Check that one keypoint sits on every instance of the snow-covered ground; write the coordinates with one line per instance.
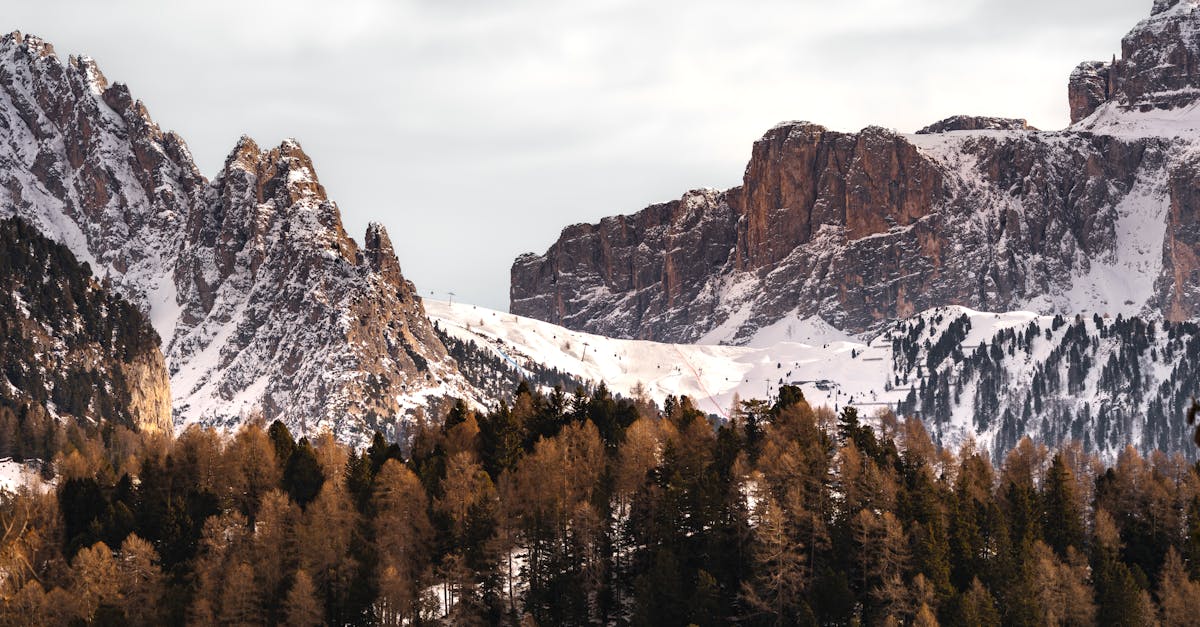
(1112, 119)
(15, 475)
(833, 372)
(1122, 392)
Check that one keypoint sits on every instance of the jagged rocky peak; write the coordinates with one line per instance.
(83, 149)
(67, 95)
(261, 195)
(245, 156)
(263, 301)
(1157, 68)
(31, 44)
(285, 169)
(377, 249)
(331, 334)
(976, 123)
(290, 170)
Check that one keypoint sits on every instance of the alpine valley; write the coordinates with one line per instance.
(933, 379)
(995, 280)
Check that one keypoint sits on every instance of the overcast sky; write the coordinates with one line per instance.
(475, 130)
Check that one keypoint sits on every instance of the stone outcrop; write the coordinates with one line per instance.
(149, 392)
(1179, 283)
(641, 272)
(859, 229)
(1159, 67)
(976, 123)
(1090, 85)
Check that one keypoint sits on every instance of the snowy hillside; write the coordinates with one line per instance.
(995, 377)
(831, 372)
(710, 374)
(15, 475)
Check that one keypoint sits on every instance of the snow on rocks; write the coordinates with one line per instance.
(263, 303)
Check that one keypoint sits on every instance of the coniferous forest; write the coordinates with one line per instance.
(574, 509)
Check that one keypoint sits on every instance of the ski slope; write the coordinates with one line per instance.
(834, 373)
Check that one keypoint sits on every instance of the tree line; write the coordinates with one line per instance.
(586, 508)
(1096, 380)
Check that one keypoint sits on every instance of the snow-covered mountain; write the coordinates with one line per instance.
(878, 251)
(263, 302)
(994, 377)
(857, 230)
(845, 264)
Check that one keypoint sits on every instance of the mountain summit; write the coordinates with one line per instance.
(857, 230)
(1157, 70)
(263, 302)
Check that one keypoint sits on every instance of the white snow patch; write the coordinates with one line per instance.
(164, 309)
(15, 475)
(1122, 281)
(710, 374)
(1113, 119)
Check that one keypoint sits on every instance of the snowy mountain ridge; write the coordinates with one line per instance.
(855, 265)
(992, 377)
(263, 302)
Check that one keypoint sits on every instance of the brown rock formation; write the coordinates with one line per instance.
(150, 392)
(860, 229)
(1159, 66)
(1180, 281)
(1089, 87)
(976, 123)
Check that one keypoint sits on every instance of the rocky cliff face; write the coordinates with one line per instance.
(638, 273)
(263, 301)
(855, 230)
(1159, 66)
(149, 392)
(70, 347)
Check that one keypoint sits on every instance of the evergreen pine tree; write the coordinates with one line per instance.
(301, 608)
(302, 477)
(1062, 521)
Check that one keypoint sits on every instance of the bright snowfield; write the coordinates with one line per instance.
(15, 475)
(710, 374)
(1110, 119)
(840, 372)
(835, 373)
